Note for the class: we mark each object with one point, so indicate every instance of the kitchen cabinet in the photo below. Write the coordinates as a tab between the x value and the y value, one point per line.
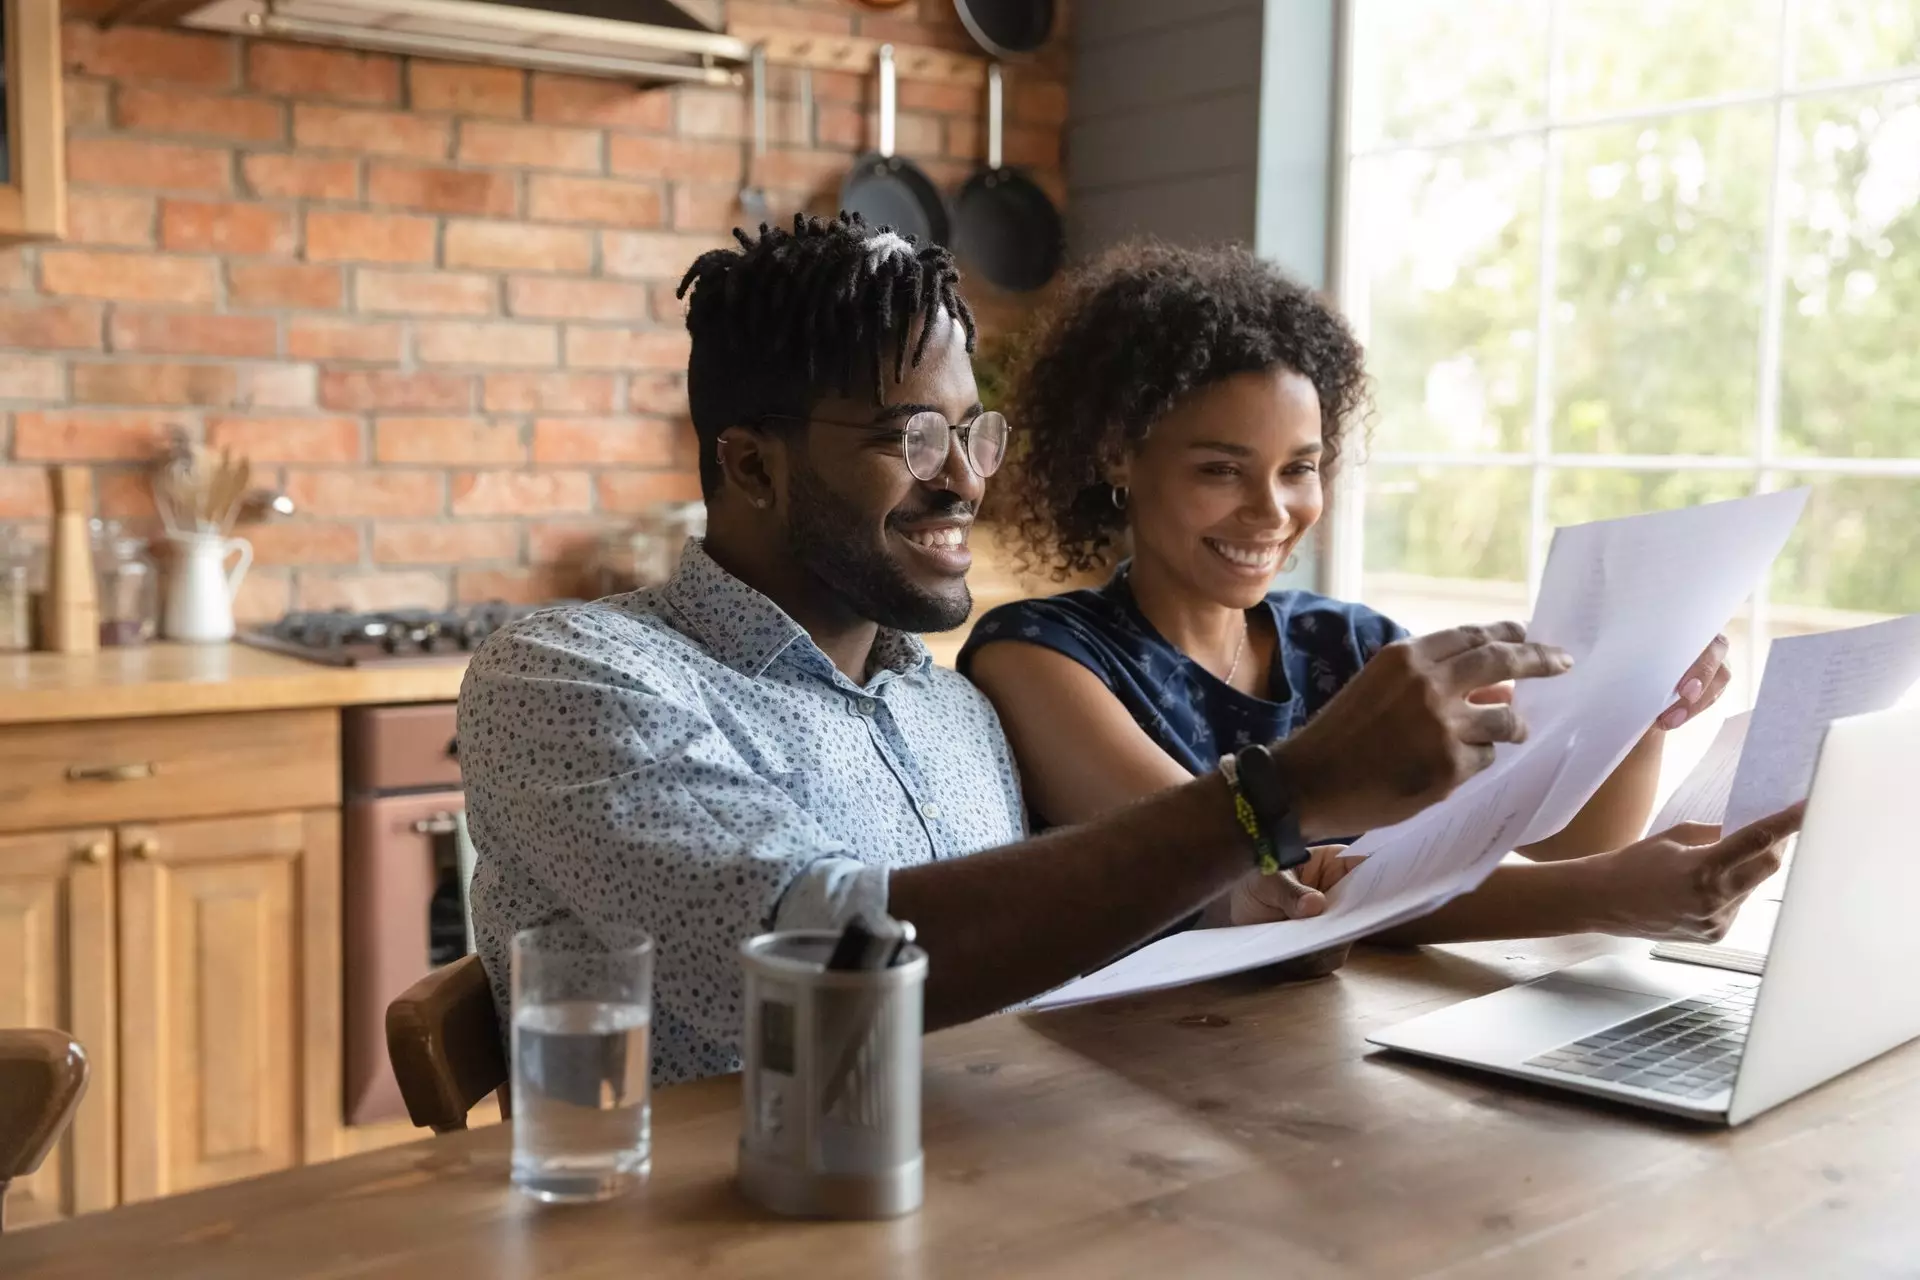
57	891
33	203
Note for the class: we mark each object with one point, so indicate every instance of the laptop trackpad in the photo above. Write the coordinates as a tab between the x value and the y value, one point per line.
1508	1027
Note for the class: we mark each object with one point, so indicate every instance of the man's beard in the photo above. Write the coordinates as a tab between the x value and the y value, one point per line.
834	542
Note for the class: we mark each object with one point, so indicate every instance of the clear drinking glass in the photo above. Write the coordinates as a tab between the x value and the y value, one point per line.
582	1051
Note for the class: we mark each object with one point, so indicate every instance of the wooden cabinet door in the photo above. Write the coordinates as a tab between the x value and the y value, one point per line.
33	201
56	970
209	999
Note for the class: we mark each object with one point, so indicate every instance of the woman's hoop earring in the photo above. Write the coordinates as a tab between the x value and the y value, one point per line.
1119	496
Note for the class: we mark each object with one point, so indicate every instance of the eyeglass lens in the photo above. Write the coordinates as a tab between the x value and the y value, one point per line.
929	438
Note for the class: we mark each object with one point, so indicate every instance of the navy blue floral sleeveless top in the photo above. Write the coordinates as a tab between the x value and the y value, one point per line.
1194	716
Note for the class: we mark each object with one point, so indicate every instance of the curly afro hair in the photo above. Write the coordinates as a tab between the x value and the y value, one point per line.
1125	340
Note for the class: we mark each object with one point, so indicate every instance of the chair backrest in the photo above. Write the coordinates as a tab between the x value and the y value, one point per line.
443	1038
42	1075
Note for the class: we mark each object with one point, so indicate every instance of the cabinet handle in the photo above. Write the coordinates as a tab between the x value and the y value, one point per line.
145	847
94	854
110	772
438	824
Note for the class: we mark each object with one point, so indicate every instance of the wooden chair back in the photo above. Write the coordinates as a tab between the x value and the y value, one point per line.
443	1038
42	1075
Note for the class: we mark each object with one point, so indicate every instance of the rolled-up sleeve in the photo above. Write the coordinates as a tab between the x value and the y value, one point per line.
603	799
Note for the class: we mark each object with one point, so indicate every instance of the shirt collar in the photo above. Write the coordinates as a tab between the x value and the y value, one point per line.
744	630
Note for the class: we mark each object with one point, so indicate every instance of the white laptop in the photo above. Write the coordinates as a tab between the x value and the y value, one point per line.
1719	1046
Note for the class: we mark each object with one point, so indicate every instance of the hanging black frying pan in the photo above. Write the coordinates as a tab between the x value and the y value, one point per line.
1004	226
891	192
1007	28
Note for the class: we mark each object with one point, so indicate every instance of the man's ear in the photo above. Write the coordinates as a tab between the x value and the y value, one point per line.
749	461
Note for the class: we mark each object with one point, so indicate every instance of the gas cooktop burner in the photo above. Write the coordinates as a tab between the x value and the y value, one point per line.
343	638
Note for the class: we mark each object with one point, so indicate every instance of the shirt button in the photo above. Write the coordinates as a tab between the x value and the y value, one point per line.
866	706
929	811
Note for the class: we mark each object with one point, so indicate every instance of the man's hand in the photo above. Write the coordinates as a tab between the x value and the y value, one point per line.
1700	687
1290	895
1403	733
1685	885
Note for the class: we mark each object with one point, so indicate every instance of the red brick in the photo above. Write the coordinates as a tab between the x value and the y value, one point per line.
446	542
50	326
184	112
467	90
32	378
627	348
148	53
304	71
16	271
189	334
301	177
283	284
636	156
664	394
571	542
438	190
423	293
520	493
841	86
941	98
208	227
447	440
92	436
742	15
532	145
710	207
1041	102
415	589
385	133
274	386
807	171
846	127
23	494
602	442
498	343
129	277
557	298
88	103
517	586
601	200
339	236
1033	148
515	246
138	382
124	493
160	166
710	113
357	390
298	542
288	439
97	218
652	255
264	595
605	103
966	140
350	341
669	308
365	492
632	492
548	393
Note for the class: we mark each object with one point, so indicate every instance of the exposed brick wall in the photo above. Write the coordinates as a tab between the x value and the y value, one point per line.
432	301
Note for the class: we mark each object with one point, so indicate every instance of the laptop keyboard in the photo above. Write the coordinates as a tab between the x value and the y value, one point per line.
1687	1049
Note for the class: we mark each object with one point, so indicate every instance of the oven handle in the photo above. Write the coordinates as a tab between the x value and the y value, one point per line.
436	824
453	747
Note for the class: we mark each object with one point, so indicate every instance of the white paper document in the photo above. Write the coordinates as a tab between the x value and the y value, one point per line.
1702	794
1810	682
1635	601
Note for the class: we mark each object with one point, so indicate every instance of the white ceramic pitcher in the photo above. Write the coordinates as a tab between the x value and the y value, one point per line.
200	595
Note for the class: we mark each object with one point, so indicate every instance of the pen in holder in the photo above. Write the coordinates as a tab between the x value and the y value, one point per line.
831	1074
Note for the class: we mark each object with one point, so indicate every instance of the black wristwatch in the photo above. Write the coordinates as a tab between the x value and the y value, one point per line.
1266	789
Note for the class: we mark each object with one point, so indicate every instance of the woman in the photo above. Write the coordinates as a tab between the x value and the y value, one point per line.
1190	405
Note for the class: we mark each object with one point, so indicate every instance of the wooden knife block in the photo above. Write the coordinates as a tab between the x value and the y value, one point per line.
71	620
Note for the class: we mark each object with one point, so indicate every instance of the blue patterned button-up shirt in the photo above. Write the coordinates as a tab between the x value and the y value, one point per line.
685	760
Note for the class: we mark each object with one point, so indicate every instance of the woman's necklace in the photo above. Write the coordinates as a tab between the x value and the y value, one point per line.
1239	651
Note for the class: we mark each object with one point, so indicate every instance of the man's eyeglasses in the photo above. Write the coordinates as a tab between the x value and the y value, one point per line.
927	436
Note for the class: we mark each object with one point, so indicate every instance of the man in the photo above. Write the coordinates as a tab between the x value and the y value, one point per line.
763	743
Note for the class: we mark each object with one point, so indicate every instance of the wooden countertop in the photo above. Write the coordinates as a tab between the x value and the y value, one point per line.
182	679
1231	1129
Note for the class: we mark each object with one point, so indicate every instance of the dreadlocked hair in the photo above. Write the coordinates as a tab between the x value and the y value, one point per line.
1125	340
788	317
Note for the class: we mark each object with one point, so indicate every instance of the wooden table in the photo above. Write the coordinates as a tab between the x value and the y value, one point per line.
1227	1130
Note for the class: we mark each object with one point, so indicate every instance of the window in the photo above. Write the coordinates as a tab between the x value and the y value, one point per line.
1610	256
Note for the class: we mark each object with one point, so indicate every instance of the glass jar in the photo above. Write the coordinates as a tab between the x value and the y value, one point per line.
646	554
129	586
16	594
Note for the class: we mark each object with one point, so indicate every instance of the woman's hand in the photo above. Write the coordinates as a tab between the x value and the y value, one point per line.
1700	687
1290	895
1685	885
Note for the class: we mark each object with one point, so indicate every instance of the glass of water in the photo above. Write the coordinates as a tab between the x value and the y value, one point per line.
582	1113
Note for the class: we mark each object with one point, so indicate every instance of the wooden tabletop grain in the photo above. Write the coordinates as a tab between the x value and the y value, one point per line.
1237	1129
